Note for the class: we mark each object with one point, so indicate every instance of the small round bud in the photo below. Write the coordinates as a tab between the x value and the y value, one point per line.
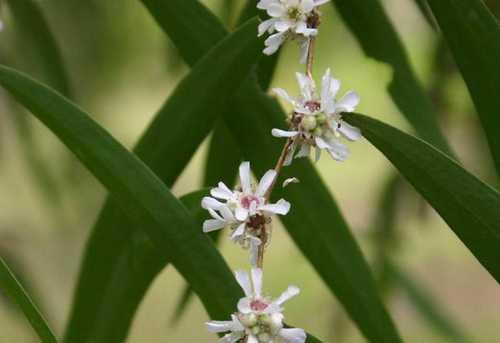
321	118
264	337
309	123
249	320
255	330
318	131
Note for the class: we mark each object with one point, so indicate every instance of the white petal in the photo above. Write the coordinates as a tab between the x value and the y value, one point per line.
317	154
257	279
273	43
281	207
286	295
283	94
245	177
244	305
276	10
283	25
338	151
321	143
213	224
289	181
227	215
252	339
306	86
326	85
304	50
350	132
240	230
305	151
221	192
241	213
208	202
348	103
307	5
266	182
254	250
244	281
283	133
265	26
289	155
220	326
293	335
320	2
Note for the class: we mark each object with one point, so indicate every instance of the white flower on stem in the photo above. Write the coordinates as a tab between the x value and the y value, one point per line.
259	318
290	19
316	120
245	210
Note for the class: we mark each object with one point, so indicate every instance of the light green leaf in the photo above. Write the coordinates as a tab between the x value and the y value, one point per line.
379	40
108	283
319	231
473	35
15	291
469	206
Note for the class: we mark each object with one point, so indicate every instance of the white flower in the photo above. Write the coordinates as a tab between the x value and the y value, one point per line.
294	19
259	318
316	120
245	210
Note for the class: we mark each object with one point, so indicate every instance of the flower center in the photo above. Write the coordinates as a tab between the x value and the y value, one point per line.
257	221
312	105
294	13
248	200
258	305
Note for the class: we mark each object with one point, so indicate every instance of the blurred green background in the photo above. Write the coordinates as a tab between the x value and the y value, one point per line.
122	68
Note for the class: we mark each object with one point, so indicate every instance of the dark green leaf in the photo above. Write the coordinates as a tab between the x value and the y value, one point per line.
473	35
15	291
378	38
43	49
109	282
319	231
469	206
427	305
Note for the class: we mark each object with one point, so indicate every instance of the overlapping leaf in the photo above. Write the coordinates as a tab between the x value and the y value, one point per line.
469	206
473	35
319	231
378	38
111	286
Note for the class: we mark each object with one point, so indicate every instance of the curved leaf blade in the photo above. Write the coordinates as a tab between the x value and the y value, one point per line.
369	22
16	292
469	206
350	278
473	35
108	283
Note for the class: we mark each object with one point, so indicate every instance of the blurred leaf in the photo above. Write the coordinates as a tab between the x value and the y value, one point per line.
473	35
427	305
333	252
423	6
469	206
379	40
109	282
15	291
30	20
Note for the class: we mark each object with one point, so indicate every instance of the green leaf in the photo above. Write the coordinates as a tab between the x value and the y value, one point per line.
473	35
469	206
379	40
319	231
108	283
428	306
15	291
31	23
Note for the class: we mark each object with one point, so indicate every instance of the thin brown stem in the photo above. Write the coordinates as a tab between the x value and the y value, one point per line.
310	57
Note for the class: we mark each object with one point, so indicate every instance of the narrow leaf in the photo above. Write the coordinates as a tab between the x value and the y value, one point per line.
473	35
108	284
370	24
15	291
469	206
30	21
319	231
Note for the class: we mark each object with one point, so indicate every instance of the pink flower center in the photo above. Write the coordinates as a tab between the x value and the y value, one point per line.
247	201
313	106
258	305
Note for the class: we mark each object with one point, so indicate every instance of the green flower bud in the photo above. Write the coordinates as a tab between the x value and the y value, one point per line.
249	320
255	330
309	123
318	131
321	118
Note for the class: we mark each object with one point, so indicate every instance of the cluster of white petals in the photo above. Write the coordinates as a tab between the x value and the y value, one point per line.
316	119
245	210
259	318
290	19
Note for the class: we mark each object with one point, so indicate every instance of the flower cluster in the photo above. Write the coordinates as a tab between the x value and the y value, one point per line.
314	123
259	318
246	210
290	19
316	119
